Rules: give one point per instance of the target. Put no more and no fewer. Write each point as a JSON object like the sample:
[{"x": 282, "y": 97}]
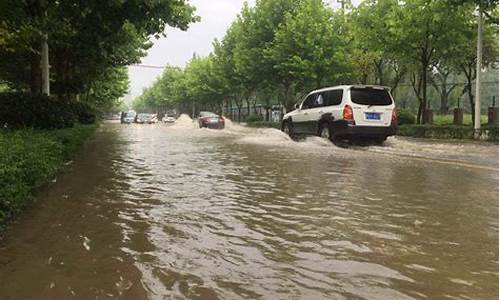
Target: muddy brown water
[{"x": 159, "y": 212}]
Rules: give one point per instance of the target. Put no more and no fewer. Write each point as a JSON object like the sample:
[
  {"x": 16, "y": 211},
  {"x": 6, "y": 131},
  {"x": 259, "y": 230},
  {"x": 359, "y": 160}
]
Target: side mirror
[{"x": 297, "y": 106}]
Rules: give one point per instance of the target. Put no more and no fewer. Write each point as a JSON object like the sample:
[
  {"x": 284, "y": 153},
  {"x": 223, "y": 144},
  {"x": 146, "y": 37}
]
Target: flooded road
[{"x": 158, "y": 212}]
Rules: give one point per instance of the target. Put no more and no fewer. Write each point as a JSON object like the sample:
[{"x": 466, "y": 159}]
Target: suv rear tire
[
  {"x": 380, "y": 140},
  {"x": 325, "y": 131}
]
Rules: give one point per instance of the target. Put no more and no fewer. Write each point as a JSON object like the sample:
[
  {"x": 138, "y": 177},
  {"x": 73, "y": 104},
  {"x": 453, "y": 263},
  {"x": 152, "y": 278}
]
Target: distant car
[
  {"x": 153, "y": 119},
  {"x": 210, "y": 120},
  {"x": 141, "y": 118},
  {"x": 348, "y": 112},
  {"x": 169, "y": 119},
  {"x": 128, "y": 117},
  {"x": 112, "y": 117},
  {"x": 146, "y": 118}
]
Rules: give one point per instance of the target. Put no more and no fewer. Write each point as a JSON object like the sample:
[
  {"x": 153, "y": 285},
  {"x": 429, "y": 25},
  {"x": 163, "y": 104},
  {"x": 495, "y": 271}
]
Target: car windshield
[
  {"x": 370, "y": 96},
  {"x": 130, "y": 114},
  {"x": 205, "y": 114}
]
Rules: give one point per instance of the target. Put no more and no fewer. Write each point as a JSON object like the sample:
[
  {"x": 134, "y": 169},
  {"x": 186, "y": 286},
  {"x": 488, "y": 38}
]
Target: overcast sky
[{"x": 178, "y": 47}]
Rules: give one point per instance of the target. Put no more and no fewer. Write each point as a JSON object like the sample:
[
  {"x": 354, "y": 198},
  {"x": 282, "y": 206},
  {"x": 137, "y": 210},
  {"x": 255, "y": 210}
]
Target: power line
[
  {"x": 401, "y": 84},
  {"x": 148, "y": 66}
]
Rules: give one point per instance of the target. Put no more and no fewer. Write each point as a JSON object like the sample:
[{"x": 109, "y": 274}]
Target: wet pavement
[{"x": 174, "y": 212}]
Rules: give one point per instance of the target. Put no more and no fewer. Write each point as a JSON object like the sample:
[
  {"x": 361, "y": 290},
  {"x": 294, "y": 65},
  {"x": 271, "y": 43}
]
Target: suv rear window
[{"x": 370, "y": 96}]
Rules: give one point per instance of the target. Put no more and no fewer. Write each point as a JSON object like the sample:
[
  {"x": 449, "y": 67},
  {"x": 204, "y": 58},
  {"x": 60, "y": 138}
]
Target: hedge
[
  {"x": 30, "y": 158},
  {"x": 406, "y": 117},
  {"x": 254, "y": 118},
  {"x": 24, "y": 110},
  {"x": 487, "y": 133},
  {"x": 261, "y": 124}
]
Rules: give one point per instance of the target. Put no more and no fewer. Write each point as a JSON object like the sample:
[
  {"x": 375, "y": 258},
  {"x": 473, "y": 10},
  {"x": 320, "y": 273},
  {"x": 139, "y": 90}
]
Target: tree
[
  {"x": 441, "y": 73},
  {"x": 106, "y": 91},
  {"x": 374, "y": 49},
  {"x": 467, "y": 60},
  {"x": 257, "y": 28},
  {"x": 86, "y": 38},
  {"x": 224, "y": 59},
  {"x": 422, "y": 29},
  {"x": 307, "y": 50}
]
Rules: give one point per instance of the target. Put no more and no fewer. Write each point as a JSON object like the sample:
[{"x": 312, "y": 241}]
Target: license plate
[
  {"x": 214, "y": 121},
  {"x": 372, "y": 116}
]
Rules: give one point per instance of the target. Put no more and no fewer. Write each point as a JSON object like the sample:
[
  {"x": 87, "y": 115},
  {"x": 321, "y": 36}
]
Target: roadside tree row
[
  {"x": 276, "y": 51},
  {"x": 90, "y": 43}
]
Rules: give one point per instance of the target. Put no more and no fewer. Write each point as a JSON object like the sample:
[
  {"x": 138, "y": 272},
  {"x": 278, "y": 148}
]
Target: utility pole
[{"x": 477, "y": 106}]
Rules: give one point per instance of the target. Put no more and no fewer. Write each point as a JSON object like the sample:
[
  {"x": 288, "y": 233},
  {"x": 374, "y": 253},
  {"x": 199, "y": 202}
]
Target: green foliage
[
  {"x": 264, "y": 124},
  {"x": 254, "y": 118},
  {"x": 447, "y": 132},
  {"x": 84, "y": 112},
  {"x": 90, "y": 42},
  {"x": 166, "y": 91},
  {"x": 308, "y": 48},
  {"x": 406, "y": 117},
  {"x": 278, "y": 50},
  {"x": 107, "y": 89},
  {"x": 39, "y": 111},
  {"x": 30, "y": 158},
  {"x": 448, "y": 120}
]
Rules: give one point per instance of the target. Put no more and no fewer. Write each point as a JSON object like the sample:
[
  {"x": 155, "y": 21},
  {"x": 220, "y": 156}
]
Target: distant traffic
[
  {"x": 141, "y": 118},
  {"x": 339, "y": 113},
  {"x": 205, "y": 119}
]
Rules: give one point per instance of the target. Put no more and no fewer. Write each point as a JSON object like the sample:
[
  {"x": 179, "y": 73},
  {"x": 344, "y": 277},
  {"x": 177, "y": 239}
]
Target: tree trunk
[
  {"x": 471, "y": 102},
  {"x": 364, "y": 78},
  {"x": 289, "y": 103},
  {"x": 319, "y": 81},
  {"x": 423, "y": 105},
  {"x": 44, "y": 62},
  {"x": 469, "y": 75},
  {"x": 247, "y": 100},
  {"x": 239, "y": 105},
  {"x": 380, "y": 71},
  {"x": 443, "y": 109},
  {"x": 35, "y": 74},
  {"x": 419, "y": 113},
  {"x": 417, "y": 88},
  {"x": 268, "y": 107}
]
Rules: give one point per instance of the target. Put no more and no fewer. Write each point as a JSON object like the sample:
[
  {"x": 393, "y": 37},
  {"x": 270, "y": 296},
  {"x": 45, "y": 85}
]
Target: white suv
[{"x": 344, "y": 112}]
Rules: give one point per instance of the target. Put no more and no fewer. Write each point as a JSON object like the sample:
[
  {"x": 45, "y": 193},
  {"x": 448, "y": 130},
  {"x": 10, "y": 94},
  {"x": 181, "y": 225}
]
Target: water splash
[
  {"x": 184, "y": 122},
  {"x": 266, "y": 136}
]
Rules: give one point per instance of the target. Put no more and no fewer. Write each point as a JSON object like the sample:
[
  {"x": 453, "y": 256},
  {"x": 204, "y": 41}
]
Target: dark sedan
[{"x": 210, "y": 120}]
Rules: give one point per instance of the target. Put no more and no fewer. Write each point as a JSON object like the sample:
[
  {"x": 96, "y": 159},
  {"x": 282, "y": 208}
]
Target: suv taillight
[
  {"x": 348, "y": 114},
  {"x": 394, "y": 118},
  {"x": 221, "y": 119}
]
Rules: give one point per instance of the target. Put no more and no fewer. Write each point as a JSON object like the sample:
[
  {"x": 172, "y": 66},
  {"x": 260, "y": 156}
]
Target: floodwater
[{"x": 175, "y": 212}]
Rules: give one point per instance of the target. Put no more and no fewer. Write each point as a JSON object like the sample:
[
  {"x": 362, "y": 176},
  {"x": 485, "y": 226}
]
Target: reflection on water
[{"x": 158, "y": 212}]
